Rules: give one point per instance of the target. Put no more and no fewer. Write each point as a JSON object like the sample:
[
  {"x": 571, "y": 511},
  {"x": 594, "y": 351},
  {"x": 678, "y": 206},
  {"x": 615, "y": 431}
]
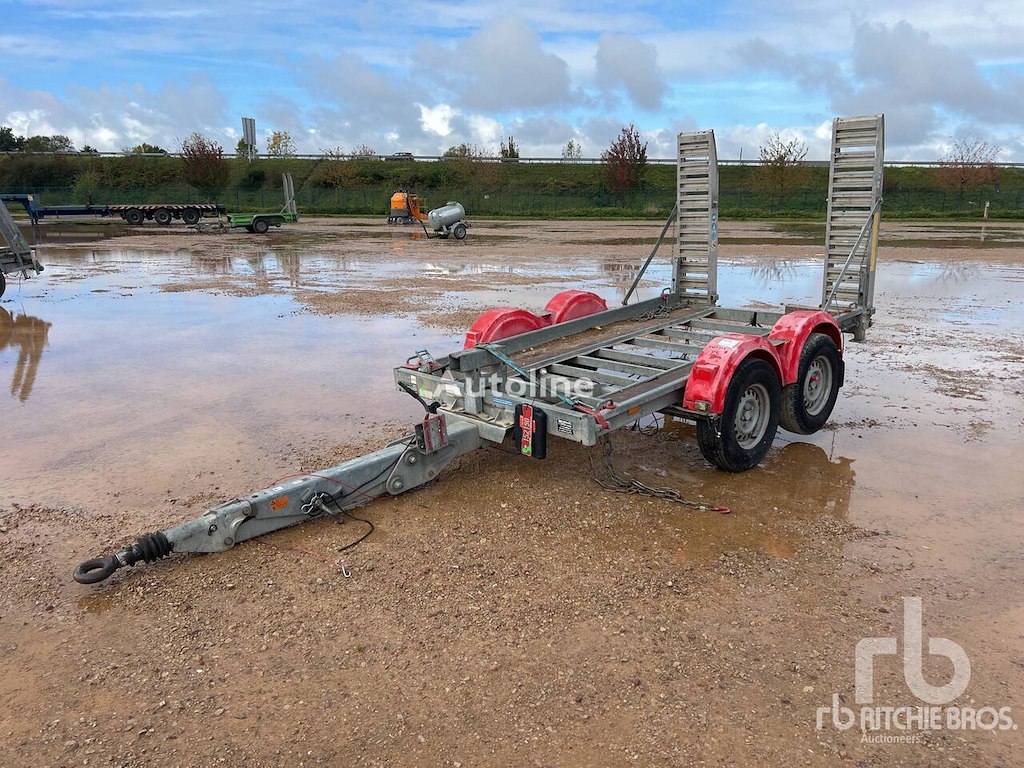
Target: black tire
[
  {"x": 807, "y": 403},
  {"x": 3, "y": 281},
  {"x": 740, "y": 438},
  {"x": 134, "y": 216},
  {"x": 191, "y": 216},
  {"x": 248, "y": 228},
  {"x": 459, "y": 231},
  {"x": 162, "y": 216},
  {"x": 260, "y": 226}
]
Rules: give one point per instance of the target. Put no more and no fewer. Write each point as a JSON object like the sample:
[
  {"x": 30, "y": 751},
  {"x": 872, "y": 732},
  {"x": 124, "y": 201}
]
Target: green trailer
[{"x": 259, "y": 223}]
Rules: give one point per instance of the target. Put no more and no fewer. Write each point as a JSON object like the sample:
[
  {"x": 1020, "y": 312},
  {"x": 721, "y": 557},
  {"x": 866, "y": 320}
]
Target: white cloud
[
  {"x": 631, "y": 64},
  {"x": 110, "y": 118},
  {"x": 450, "y": 71},
  {"x": 501, "y": 67},
  {"x": 437, "y": 119}
]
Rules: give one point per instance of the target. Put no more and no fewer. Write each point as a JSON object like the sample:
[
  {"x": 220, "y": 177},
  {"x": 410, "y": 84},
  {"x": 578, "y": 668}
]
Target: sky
[{"x": 426, "y": 75}]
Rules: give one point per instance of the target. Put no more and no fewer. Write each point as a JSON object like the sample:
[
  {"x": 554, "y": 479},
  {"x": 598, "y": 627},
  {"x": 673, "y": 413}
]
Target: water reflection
[
  {"x": 802, "y": 475},
  {"x": 29, "y": 334},
  {"x": 958, "y": 272},
  {"x": 772, "y": 271}
]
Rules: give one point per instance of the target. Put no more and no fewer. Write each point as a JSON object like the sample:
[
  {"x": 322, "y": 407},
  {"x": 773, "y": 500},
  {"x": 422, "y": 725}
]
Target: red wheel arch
[
  {"x": 713, "y": 369},
  {"x": 793, "y": 328}
]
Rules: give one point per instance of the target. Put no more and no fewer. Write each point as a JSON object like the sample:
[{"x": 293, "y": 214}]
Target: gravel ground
[{"x": 512, "y": 613}]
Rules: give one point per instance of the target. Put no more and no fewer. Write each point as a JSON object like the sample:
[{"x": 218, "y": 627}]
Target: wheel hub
[
  {"x": 817, "y": 385},
  {"x": 751, "y": 419}
]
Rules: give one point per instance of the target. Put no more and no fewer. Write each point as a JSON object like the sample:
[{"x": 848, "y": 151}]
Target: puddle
[
  {"x": 909, "y": 234},
  {"x": 138, "y": 377},
  {"x": 26, "y": 337}
]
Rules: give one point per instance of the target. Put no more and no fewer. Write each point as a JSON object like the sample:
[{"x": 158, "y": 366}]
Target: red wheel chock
[
  {"x": 570, "y": 305},
  {"x": 502, "y": 322}
]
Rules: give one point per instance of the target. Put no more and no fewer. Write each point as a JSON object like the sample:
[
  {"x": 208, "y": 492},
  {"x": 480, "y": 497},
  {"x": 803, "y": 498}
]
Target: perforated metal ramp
[
  {"x": 854, "y": 213},
  {"x": 695, "y": 268}
]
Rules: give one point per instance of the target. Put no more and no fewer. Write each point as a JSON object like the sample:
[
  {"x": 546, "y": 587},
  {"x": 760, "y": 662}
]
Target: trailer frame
[{"x": 133, "y": 213}]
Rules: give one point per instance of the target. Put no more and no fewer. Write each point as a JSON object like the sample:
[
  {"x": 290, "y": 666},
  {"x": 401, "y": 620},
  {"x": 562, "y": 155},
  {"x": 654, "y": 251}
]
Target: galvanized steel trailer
[
  {"x": 579, "y": 370},
  {"x": 17, "y": 256}
]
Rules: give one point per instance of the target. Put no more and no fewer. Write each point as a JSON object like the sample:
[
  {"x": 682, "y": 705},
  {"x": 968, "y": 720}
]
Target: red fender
[
  {"x": 793, "y": 328},
  {"x": 500, "y": 323},
  {"x": 713, "y": 369},
  {"x": 569, "y": 305}
]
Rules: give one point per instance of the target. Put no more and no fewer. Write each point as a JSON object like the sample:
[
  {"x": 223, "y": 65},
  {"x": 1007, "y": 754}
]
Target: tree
[
  {"x": 280, "y": 144},
  {"x": 56, "y": 143},
  {"x": 969, "y": 164},
  {"x": 363, "y": 151},
  {"x": 470, "y": 152},
  {"x": 782, "y": 167},
  {"x": 463, "y": 150},
  {"x": 242, "y": 150},
  {"x": 572, "y": 151},
  {"x": 625, "y": 161},
  {"x": 9, "y": 142},
  {"x": 88, "y": 149},
  {"x": 203, "y": 163},
  {"x": 510, "y": 151},
  {"x": 147, "y": 149}
]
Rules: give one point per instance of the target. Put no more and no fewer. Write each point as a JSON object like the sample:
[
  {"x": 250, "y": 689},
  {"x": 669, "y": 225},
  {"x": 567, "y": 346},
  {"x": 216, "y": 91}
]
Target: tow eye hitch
[{"x": 148, "y": 548}]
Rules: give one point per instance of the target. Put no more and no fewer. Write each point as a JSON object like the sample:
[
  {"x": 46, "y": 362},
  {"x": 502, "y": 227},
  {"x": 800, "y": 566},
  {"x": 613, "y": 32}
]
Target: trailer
[
  {"x": 579, "y": 370},
  {"x": 135, "y": 214},
  {"x": 164, "y": 213},
  {"x": 259, "y": 223},
  {"x": 17, "y": 256}
]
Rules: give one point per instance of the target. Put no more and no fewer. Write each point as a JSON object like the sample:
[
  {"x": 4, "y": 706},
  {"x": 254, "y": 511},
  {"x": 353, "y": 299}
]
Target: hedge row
[{"x": 491, "y": 189}]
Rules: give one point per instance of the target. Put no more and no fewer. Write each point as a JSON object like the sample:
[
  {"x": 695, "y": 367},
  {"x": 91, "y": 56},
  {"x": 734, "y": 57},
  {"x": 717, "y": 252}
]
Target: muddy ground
[{"x": 514, "y": 613}]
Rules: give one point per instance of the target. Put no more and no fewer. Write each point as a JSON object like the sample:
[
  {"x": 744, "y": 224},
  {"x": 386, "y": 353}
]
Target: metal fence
[
  {"x": 402, "y": 157},
  {"x": 504, "y": 202}
]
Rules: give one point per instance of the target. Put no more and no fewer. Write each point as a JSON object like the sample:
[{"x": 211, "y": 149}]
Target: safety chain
[
  {"x": 620, "y": 484},
  {"x": 657, "y": 313}
]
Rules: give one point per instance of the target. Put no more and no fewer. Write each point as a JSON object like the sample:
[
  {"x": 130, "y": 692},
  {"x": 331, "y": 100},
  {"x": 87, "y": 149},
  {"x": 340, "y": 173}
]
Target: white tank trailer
[{"x": 448, "y": 220}]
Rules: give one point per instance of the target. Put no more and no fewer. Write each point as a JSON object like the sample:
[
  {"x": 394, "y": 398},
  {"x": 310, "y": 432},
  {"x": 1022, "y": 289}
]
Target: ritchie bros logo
[{"x": 904, "y": 724}]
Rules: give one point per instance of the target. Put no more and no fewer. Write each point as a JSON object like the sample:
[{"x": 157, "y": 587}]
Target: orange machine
[{"x": 407, "y": 208}]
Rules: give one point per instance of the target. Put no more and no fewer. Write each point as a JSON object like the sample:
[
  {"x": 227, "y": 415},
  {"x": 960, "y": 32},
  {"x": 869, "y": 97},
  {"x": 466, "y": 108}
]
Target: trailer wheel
[
  {"x": 134, "y": 216},
  {"x": 260, "y": 226},
  {"x": 808, "y": 402},
  {"x": 162, "y": 216},
  {"x": 3, "y": 281},
  {"x": 459, "y": 231},
  {"x": 744, "y": 433},
  {"x": 191, "y": 216}
]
